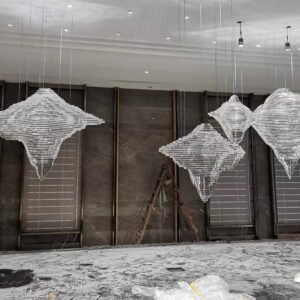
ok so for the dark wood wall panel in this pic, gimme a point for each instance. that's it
(262, 184)
(190, 114)
(97, 188)
(10, 179)
(145, 125)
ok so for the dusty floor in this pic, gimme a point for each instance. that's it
(262, 269)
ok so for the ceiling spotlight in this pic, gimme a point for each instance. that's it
(118, 34)
(214, 42)
(69, 6)
(287, 45)
(146, 72)
(241, 40)
(10, 25)
(67, 30)
(168, 38)
(130, 12)
(186, 17)
(258, 46)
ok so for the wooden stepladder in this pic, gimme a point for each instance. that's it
(166, 177)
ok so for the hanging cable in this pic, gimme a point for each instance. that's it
(21, 58)
(60, 50)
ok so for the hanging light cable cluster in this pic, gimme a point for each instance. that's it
(44, 120)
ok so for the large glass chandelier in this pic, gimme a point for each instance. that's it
(277, 121)
(42, 123)
(205, 154)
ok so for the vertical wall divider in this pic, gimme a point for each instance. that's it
(81, 162)
(175, 195)
(253, 177)
(115, 205)
(22, 183)
(206, 204)
(273, 195)
(2, 84)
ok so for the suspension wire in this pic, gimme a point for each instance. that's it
(41, 47)
(30, 30)
(71, 56)
(232, 47)
(200, 18)
(220, 12)
(179, 24)
(45, 40)
(292, 65)
(60, 51)
(21, 58)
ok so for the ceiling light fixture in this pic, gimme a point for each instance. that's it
(287, 44)
(67, 30)
(69, 6)
(241, 40)
(187, 17)
(130, 12)
(146, 72)
(214, 42)
(10, 25)
(258, 46)
(118, 34)
(168, 38)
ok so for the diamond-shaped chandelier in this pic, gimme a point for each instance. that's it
(277, 121)
(234, 118)
(205, 154)
(42, 122)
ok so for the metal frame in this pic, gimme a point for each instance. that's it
(276, 225)
(209, 228)
(2, 85)
(175, 168)
(81, 141)
(115, 206)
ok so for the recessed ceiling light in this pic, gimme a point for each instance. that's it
(67, 30)
(258, 46)
(168, 38)
(130, 12)
(69, 6)
(214, 42)
(146, 72)
(118, 34)
(10, 25)
(186, 17)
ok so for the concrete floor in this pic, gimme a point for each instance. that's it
(261, 269)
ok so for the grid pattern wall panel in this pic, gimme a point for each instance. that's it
(231, 201)
(53, 204)
(287, 195)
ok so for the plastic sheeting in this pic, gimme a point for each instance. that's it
(205, 154)
(209, 287)
(42, 123)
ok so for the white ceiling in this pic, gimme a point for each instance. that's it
(188, 61)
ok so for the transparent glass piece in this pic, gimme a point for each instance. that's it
(234, 118)
(277, 121)
(205, 154)
(42, 122)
